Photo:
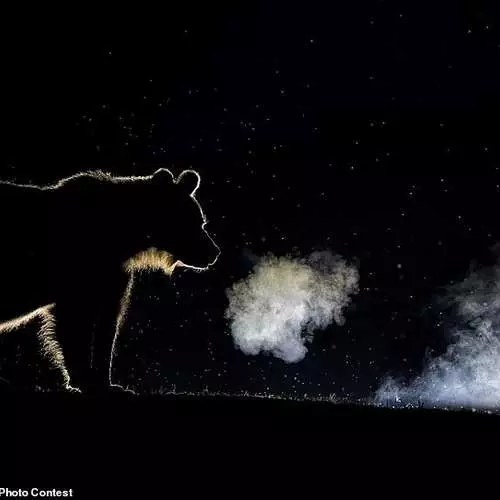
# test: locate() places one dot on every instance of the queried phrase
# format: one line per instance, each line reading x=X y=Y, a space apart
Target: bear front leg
x=112 y=311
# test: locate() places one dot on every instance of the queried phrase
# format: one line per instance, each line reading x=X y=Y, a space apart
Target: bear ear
x=163 y=175
x=189 y=180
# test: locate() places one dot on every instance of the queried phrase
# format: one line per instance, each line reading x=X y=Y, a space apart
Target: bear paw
x=108 y=389
x=119 y=389
x=70 y=388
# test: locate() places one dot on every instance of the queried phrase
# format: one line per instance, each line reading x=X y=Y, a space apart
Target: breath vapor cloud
x=468 y=373
x=284 y=301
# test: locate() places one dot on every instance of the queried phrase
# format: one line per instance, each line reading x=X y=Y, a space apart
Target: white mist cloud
x=285 y=300
x=468 y=373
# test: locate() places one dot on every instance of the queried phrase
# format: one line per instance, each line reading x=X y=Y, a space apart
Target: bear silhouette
x=69 y=253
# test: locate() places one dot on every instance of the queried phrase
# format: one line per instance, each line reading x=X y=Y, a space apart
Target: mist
x=468 y=373
x=282 y=303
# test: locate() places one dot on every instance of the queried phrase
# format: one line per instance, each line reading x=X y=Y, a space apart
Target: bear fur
x=69 y=252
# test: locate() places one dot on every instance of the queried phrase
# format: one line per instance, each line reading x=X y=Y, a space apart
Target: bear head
x=175 y=222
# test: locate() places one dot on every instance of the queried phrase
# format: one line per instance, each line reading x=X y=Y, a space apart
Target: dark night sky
x=370 y=129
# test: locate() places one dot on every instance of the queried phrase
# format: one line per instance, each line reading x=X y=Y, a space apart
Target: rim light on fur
x=149 y=259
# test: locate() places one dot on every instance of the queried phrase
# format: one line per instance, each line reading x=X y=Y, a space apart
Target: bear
x=70 y=251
